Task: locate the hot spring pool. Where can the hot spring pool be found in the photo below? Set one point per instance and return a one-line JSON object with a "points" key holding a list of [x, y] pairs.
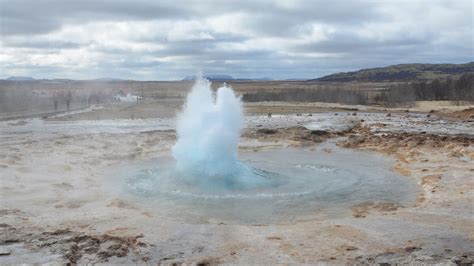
{"points": [[277, 185]]}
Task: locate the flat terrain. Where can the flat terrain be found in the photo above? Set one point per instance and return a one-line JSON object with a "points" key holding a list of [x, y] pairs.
{"points": [[55, 209], [30, 98]]}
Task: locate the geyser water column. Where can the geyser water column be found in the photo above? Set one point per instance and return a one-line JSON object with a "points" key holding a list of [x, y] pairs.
{"points": [[208, 132], [208, 181]]}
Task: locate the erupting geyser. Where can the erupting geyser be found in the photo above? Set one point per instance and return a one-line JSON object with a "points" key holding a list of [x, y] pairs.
{"points": [[208, 131], [207, 179]]}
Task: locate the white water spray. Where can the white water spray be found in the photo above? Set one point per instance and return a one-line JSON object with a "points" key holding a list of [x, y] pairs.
{"points": [[208, 131]]}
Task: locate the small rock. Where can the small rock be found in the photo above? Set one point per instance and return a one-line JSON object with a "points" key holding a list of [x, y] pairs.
{"points": [[266, 131], [319, 132], [4, 252], [411, 249], [274, 238]]}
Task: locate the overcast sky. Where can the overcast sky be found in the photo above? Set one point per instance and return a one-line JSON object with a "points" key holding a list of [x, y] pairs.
{"points": [[166, 40]]}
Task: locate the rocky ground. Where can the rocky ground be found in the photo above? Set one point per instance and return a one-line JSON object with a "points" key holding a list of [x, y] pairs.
{"points": [[54, 208]]}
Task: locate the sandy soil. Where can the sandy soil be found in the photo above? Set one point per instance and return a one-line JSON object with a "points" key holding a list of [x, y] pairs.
{"points": [[54, 208]]}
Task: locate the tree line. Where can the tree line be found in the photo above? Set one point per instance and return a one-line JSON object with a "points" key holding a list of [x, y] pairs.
{"points": [[330, 95], [459, 89]]}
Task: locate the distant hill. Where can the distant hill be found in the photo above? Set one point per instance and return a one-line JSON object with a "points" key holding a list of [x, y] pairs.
{"points": [[20, 78], [106, 79], [262, 79], [211, 77], [403, 72]]}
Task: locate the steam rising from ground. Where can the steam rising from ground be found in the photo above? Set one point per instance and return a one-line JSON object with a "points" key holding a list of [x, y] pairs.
{"points": [[208, 131]]}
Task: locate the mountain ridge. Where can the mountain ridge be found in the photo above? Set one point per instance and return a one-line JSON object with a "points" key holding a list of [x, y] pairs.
{"points": [[401, 72], [20, 78]]}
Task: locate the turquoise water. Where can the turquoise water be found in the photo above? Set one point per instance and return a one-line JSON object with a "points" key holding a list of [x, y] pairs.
{"points": [[277, 185]]}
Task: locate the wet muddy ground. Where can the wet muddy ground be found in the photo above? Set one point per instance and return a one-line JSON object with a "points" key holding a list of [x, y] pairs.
{"points": [[54, 208]]}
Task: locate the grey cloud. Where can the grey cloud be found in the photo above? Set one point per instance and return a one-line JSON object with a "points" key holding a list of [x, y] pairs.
{"points": [[44, 44], [345, 41], [42, 16], [27, 27], [288, 21]]}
